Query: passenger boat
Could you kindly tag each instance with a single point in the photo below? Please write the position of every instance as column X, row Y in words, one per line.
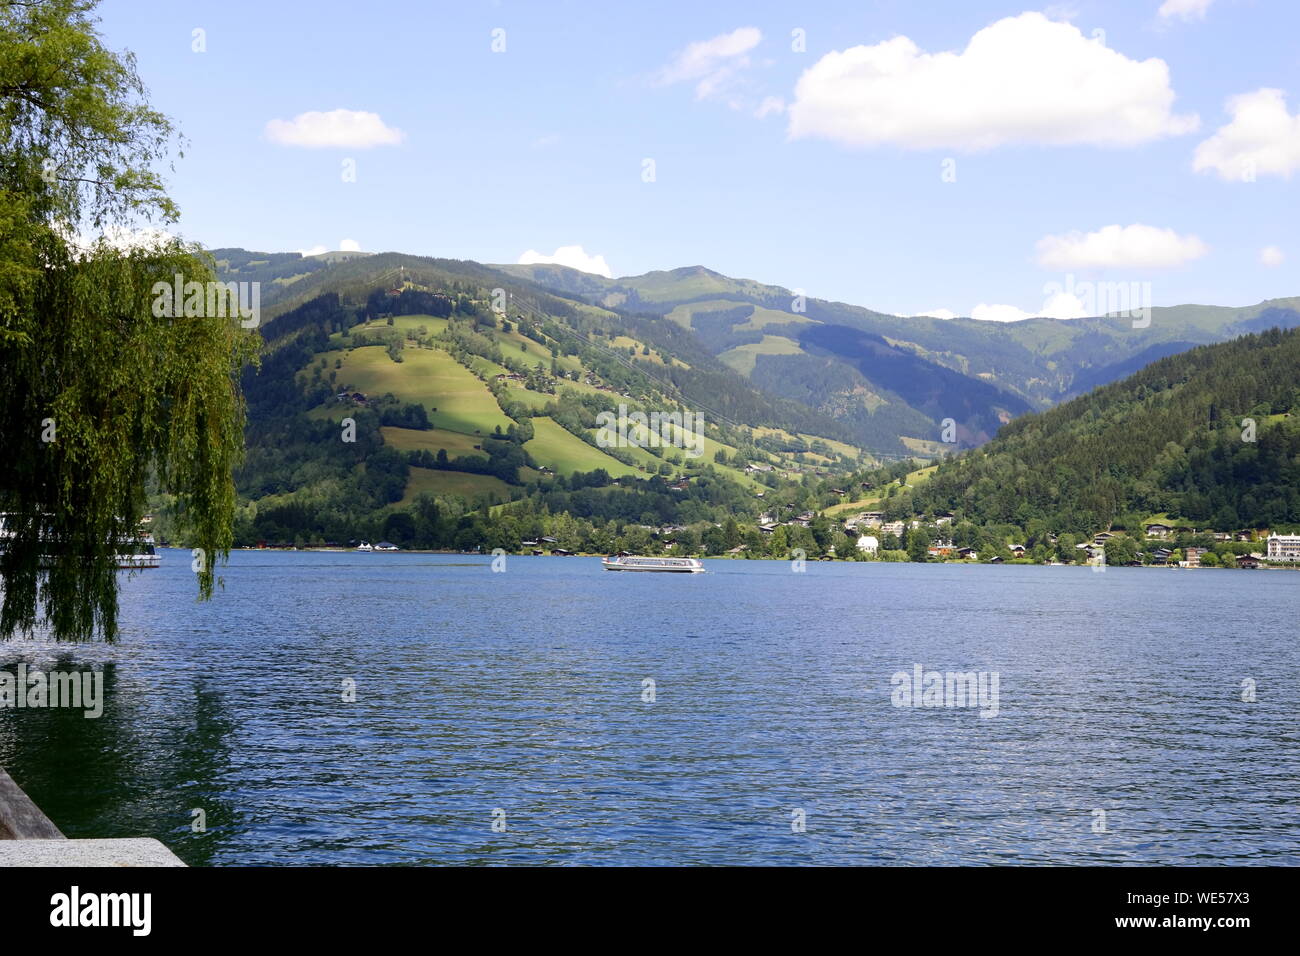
column 134, row 551
column 633, row 563
column 139, row 552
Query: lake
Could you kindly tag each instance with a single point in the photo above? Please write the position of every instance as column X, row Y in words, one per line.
column 510, row 718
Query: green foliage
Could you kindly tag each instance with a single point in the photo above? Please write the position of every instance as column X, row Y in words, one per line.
column 1170, row 439
column 98, row 394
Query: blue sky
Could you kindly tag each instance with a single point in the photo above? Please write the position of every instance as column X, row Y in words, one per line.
column 891, row 162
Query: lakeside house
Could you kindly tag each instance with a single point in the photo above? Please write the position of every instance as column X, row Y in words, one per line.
column 868, row 544
column 1283, row 547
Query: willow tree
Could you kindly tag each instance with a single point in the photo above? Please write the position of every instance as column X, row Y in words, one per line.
column 98, row 394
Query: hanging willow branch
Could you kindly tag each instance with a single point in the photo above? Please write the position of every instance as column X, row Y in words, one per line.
column 97, row 392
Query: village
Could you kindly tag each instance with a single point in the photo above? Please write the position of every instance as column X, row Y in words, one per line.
column 1191, row 545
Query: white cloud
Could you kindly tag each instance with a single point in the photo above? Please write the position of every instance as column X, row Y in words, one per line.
column 572, row 256
column 336, row 129
column 121, row 238
column 1272, row 256
column 1024, row 79
column 712, row 64
column 770, row 104
column 999, row 313
column 1061, row 305
column 1263, row 138
column 345, row 245
column 1119, row 247
column 1185, row 9
column 705, row 59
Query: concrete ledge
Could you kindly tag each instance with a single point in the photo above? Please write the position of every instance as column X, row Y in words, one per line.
column 140, row 851
column 20, row 819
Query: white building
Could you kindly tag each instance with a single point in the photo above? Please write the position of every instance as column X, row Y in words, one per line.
column 868, row 544
column 1283, row 547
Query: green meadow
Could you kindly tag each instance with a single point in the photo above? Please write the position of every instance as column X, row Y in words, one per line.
column 430, row 377
column 434, row 481
column 456, row 444
column 743, row 357
column 564, row 453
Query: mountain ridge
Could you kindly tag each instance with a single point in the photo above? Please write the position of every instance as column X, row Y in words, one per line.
column 894, row 384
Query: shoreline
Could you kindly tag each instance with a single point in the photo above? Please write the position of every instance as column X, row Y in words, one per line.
column 1292, row 566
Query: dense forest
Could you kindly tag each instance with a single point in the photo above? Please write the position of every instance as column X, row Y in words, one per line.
column 1209, row 437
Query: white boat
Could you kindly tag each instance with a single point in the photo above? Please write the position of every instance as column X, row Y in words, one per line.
column 139, row 553
column 135, row 552
column 632, row 563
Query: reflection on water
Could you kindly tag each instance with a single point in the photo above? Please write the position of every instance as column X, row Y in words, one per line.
column 518, row 698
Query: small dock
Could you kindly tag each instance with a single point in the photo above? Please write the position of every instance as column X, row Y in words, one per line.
column 29, row 838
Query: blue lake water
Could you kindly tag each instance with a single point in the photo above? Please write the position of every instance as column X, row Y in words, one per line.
column 517, row 697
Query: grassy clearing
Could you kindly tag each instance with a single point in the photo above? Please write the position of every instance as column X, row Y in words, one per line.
column 913, row 478
column 432, row 325
column 413, row 439
column 684, row 315
column 564, row 453
column 839, row 447
column 535, row 401
column 523, row 349
column 436, row 482
column 432, row 378
column 923, row 446
column 743, row 357
column 710, row 448
column 762, row 318
column 622, row 343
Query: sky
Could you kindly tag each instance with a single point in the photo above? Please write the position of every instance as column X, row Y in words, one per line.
column 966, row 157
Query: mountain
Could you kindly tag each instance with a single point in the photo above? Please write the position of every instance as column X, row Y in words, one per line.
column 1209, row 437
column 413, row 399
column 470, row 396
column 884, row 375
column 895, row 385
